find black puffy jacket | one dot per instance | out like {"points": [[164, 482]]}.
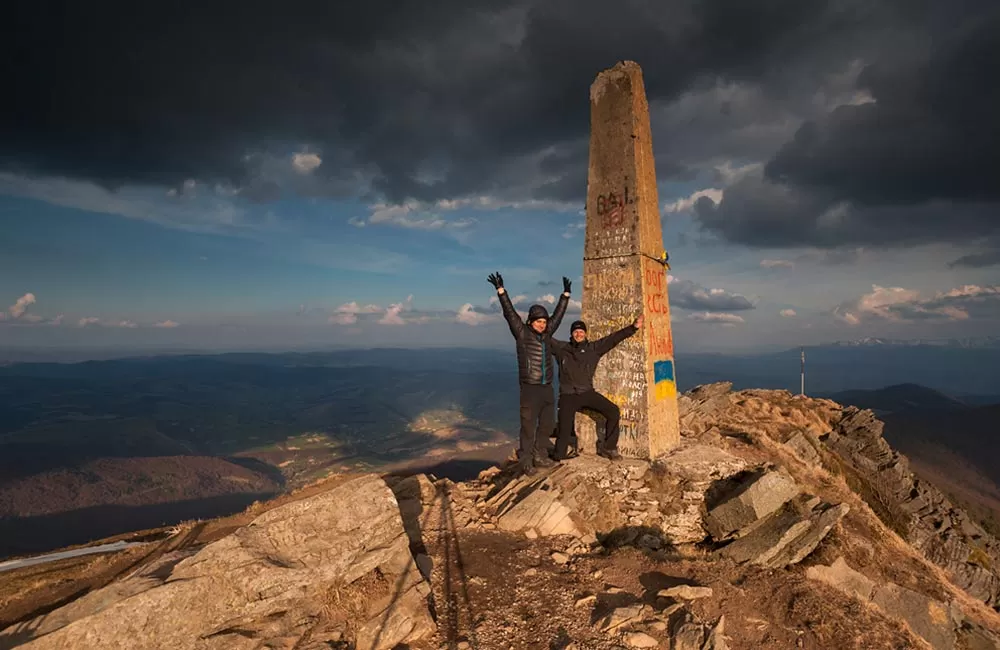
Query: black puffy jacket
{"points": [[534, 350], [578, 361]]}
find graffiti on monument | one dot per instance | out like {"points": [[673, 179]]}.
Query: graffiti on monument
{"points": [[610, 207], [661, 342]]}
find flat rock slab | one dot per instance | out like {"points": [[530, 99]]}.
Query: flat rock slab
{"points": [[754, 500], [265, 585], [685, 592], [619, 617], [802, 447], [701, 463], [786, 537], [928, 618]]}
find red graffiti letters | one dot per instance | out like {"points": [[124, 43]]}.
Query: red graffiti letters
{"points": [[611, 208]]}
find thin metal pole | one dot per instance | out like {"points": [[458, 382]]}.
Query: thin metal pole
{"points": [[802, 378]]}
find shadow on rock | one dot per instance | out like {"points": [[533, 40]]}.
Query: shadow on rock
{"points": [[647, 539], [722, 489]]}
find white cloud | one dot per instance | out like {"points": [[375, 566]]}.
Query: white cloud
{"points": [[898, 304], [686, 204], [343, 319], [467, 314], [573, 229], [393, 314], [410, 215], [717, 317], [354, 308], [204, 214], [347, 314], [89, 320], [357, 222], [574, 305], [788, 313], [514, 300], [127, 324], [686, 294], [305, 163], [775, 264], [21, 305], [168, 324], [549, 298]]}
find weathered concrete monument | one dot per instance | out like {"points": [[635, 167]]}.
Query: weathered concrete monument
{"points": [[624, 268]]}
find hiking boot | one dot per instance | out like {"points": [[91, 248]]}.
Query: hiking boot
{"points": [[544, 461], [610, 454]]}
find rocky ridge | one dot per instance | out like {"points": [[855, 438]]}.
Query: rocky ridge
{"points": [[779, 521]]}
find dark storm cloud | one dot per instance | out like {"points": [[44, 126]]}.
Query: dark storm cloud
{"points": [[978, 260], [424, 100], [443, 100], [688, 295], [917, 163]]}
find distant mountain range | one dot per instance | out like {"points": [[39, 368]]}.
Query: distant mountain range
{"points": [[869, 341], [951, 443]]}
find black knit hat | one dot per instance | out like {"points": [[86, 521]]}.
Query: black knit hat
{"points": [[578, 325], [537, 311]]}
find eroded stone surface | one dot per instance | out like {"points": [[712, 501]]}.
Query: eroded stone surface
{"points": [[752, 501], [266, 583], [621, 275]]}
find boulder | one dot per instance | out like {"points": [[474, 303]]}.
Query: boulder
{"points": [[803, 447], [751, 502], [785, 537], [331, 566]]}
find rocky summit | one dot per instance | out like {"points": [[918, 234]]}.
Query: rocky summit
{"points": [[779, 521]]}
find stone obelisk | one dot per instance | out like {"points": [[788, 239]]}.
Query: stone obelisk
{"points": [[624, 271]]}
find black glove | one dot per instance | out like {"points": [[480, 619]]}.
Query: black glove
{"points": [[496, 280], [566, 284]]}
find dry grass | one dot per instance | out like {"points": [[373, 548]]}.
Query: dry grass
{"points": [[889, 558]]}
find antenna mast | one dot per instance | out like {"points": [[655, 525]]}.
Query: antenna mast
{"points": [[802, 375]]}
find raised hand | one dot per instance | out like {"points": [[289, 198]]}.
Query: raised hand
{"points": [[496, 280], [566, 284], [638, 322]]}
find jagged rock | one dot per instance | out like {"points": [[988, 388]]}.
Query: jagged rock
{"points": [[619, 617], [915, 509], [693, 468], [580, 497], [689, 636], [586, 600], [974, 637], [716, 637], [785, 537], [842, 577], [266, 584], [560, 558], [802, 447], [752, 501], [820, 524], [685, 592], [928, 618], [640, 640]]}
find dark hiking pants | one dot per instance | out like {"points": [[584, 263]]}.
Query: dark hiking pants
{"points": [[537, 419], [570, 403]]}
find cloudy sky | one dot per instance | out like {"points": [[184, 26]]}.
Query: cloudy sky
{"points": [[249, 173]]}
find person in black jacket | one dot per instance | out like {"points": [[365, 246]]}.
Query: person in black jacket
{"points": [[534, 369], [578, 360]]}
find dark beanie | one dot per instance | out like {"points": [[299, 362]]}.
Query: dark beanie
{"points": [[578, 325], [537, 311]]}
